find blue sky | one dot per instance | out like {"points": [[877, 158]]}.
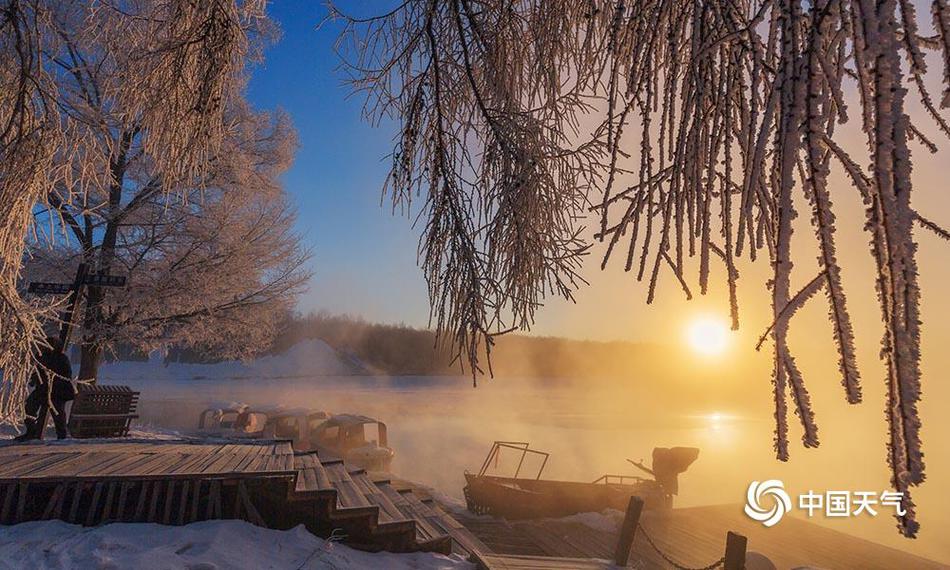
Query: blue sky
{"points": [[363, 257]]}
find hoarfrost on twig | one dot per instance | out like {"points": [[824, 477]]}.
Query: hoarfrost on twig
{"points": [[736, 105]]}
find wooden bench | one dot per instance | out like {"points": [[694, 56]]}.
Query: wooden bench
{"points": [[102, 411]]}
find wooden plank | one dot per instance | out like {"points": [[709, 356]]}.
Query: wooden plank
{"points": [[308, 480], [231, 465], [107, 507], [58, 508], [7, 502], [388, 510], [461, 535], [183, 503], [94, 505], [140, 503], [107, 460], [77, 496], [253, 516], [188, 465], [11, 464], [323, 479], [153, 504], [160, 465], [415, 510], [256, 460], [76, 465], [214, 500], [217, 499], [123, 495], [202, 465], [173, 461], [169, 499], [287, 462], [123, 467], [236, 506], [195, 500], [38, 464], [219, 465], [249, 457], [53, 500]]}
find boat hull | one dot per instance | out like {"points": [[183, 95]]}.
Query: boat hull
{"points": [[529, 498]]}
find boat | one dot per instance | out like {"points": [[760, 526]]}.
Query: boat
{"points": [[518, 497], [361, 441], [350, 436], [232, 420]]}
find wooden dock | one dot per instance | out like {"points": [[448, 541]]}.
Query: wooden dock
{"points": [[267, 483], [691, 536], [175, 482], [144, 459]]}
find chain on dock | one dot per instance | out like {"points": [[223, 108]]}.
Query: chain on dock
{"points": [[674, 563]]}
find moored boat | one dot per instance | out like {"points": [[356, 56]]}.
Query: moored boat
{"points": [[523, 497], [360, 440]]}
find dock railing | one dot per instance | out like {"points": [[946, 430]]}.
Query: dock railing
{"points": [[609, 479], [732, 559]]}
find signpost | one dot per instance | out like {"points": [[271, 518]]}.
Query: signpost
{"points": [[74, 290]]}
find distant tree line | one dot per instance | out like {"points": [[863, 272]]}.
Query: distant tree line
{"points": [[398, 349]]}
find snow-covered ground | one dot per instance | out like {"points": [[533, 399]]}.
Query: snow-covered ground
{"points": [[308, 358], [208, 545]]}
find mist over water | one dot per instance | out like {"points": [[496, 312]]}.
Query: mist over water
{"points": [[440, 427]]}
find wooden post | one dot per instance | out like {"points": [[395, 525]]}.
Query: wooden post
{"points": [[735, 551], [21, 502], [628, 530], [74, 298]]}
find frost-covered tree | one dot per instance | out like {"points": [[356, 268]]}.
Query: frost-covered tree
{"points": [[212, 263], [719, 113], [170, 65]]}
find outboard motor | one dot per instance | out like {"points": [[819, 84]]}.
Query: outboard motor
{"points": [[669, 462]]}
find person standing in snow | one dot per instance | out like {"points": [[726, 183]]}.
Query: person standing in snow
{"points": [[51, 382]]}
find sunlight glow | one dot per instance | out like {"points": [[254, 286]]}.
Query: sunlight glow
{"points": [[708, 336]]}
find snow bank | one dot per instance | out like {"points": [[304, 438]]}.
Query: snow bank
{"points": [[209, 545], [609, 520], [308, 358]]}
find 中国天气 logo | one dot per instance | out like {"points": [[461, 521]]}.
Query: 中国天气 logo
{"points": [[772, 491]]}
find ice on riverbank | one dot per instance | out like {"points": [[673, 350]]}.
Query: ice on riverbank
{"points": [[208, 545]]}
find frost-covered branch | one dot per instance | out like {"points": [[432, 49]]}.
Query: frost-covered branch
{"points": [[171, 67], [724, 114]]}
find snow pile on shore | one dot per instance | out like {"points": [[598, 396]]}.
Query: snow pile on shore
{"points": [[608, 520], [312, 357], [209, 545]]}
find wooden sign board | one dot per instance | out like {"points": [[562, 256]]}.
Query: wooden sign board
{"points": [[41, 288], [104, 280], [50, 288]]}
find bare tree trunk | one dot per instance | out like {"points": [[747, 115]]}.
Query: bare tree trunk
{"points": [[90, 358], [95, 316]]}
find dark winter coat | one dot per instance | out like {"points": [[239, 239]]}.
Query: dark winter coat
{"points": [[55, 364]]}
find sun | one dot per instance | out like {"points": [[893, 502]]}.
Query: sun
{"points": [[708, 336]]}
